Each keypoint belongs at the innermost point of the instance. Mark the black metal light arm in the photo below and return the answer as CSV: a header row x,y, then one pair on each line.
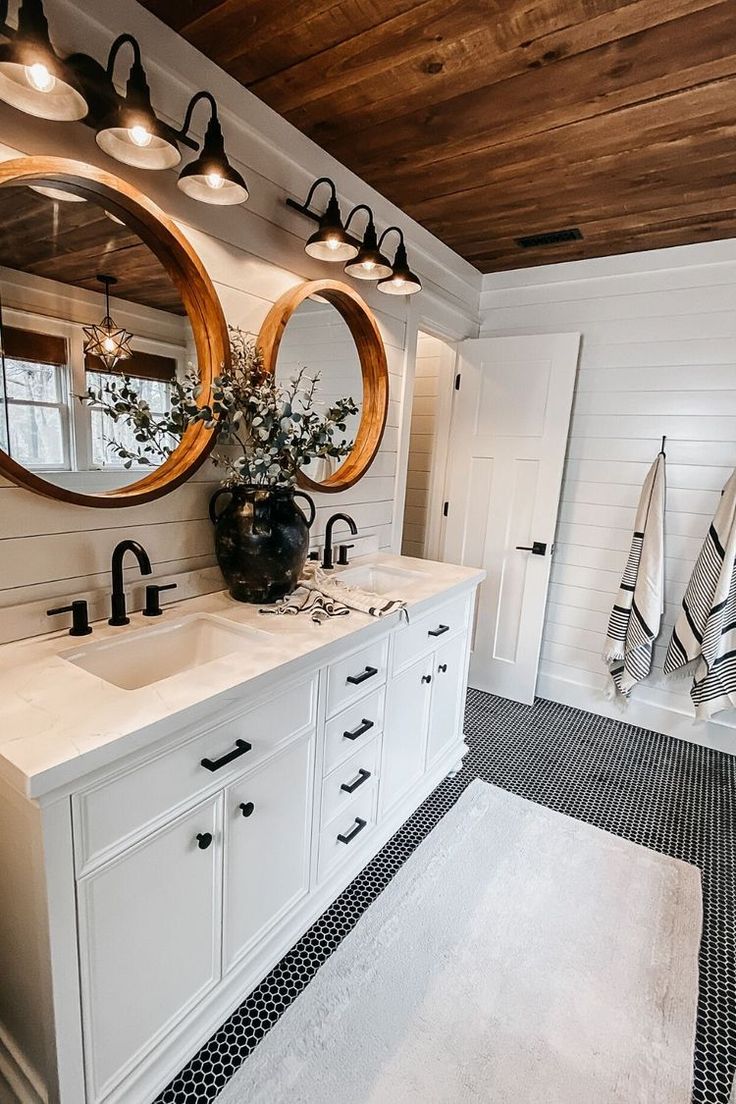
x,y
5,27
360,207
120,41
197,98
304,208
396,229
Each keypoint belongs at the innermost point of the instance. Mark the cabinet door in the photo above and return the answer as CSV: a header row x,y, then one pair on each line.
x,y
149,941
449,684
268,817
405,731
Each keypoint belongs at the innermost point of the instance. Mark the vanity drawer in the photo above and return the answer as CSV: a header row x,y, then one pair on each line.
x,y
353,728
345,833
115,812
424,634
350,678
357,773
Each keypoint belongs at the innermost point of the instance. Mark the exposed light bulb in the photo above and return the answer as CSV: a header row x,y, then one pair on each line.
x,y
140,136
398,281
369,265
40,78
333,243
215,180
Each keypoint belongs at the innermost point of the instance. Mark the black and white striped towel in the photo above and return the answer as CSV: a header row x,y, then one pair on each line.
x,y
320,607
704,636
635,618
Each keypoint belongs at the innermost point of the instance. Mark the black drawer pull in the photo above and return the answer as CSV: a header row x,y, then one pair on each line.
x,y
204,839
351,787
439,631
364,726
241,747
350,836
426,678
247,808
356,680
442,668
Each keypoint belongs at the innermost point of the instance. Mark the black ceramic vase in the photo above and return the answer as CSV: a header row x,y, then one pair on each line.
x,y
261,540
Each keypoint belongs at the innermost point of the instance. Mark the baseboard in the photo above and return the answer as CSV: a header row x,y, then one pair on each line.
x,y
19,1082
643,714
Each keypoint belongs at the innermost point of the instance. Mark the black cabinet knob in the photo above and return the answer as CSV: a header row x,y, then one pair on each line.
x,y
426,678
247,808
204,839
442,668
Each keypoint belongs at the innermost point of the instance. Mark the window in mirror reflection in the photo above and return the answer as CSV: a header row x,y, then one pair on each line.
x,y
46,372
52,255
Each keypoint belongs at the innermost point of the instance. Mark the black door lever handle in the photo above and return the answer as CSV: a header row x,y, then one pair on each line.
x,y
538,548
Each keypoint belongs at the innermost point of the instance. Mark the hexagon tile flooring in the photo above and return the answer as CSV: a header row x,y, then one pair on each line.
x,y
672,796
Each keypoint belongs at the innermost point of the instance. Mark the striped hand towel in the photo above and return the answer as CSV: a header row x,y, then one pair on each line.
x,y
356,598
704,636
635,618
320,607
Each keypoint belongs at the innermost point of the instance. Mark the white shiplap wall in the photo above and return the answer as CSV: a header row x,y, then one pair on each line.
x,y
254,253
658,357
422,445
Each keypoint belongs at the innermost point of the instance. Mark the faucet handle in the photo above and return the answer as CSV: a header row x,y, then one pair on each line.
x,y
80,617
342,554
153,605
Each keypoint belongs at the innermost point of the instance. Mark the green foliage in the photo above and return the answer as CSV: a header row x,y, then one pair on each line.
x,y
268,432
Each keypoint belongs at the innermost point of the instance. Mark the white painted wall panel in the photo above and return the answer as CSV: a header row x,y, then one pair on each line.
x,y
658,357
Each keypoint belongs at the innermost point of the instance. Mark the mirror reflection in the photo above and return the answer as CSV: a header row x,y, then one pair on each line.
x,y
83,301
318,338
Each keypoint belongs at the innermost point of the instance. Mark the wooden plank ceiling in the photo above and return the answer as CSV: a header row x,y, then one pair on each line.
x,y
74,242
490,119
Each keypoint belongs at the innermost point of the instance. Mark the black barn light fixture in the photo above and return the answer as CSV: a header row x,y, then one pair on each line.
x,y
211,178
107,341
370,264
330,242
364,258
402,280
35,79
132,132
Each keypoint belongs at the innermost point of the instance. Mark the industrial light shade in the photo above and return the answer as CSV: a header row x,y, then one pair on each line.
x,y
132,132
402,280
210,178
331,242
107,341
33,77
370,263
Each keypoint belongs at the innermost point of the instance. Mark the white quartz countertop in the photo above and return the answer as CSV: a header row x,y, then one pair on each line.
x,y
58,722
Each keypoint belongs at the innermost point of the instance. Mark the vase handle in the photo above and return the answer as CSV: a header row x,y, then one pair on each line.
x,y
220,491
312,508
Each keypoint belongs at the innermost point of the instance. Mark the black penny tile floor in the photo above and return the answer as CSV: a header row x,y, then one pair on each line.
x,y
672,796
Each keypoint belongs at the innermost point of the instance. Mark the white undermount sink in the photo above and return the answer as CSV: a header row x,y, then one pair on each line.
x,y
145,656
379,580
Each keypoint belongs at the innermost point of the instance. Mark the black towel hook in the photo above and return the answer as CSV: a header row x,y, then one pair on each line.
x,y
662,448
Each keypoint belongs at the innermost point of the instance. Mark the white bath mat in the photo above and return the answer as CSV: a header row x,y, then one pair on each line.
x,y
518,957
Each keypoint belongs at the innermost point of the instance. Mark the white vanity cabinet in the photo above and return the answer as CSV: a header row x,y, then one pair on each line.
x,y
149,939
169,878
266,832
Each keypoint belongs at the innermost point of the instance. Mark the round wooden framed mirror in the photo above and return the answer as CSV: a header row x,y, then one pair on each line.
x,y
327,328
78,245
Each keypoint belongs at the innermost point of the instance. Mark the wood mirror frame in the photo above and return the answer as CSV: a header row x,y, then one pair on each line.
x,y
373,366
198,295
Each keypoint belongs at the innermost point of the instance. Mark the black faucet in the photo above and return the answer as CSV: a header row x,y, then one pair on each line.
x,y
327,555
117,598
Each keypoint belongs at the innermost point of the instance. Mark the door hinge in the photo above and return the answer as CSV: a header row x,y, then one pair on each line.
x,y
446,509
457,382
